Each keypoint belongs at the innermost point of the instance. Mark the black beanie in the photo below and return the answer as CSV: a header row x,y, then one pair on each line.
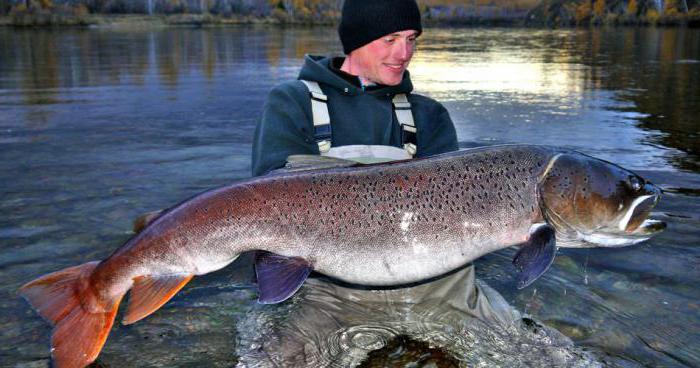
x,y
364,21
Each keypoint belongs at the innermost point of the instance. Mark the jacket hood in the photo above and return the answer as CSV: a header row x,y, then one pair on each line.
x,y
317,68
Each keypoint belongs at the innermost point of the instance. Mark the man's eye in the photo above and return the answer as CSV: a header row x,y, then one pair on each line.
x,y
389,40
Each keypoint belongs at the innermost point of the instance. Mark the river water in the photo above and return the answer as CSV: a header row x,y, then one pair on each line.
x,y
98,126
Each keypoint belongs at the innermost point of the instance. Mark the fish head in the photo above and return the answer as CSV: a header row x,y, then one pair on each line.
x,y
591,202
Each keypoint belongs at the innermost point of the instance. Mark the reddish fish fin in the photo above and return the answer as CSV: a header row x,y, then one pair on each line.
x,y
53,296
78,339
78,335
150,293
279,277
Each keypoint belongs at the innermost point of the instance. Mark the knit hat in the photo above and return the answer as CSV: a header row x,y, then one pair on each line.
x,y
364,21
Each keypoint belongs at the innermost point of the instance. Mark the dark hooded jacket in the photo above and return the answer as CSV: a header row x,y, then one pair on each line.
x,y
357,116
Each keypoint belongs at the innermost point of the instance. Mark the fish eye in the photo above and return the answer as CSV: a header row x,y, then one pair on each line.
x,y
635,183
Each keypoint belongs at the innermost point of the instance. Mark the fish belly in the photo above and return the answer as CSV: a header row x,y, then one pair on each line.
x,y
405,222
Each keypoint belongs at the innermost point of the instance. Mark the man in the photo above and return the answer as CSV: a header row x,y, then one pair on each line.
x,y
358,94
379,38
355,107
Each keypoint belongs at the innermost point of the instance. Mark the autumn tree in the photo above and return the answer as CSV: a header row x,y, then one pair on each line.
x,y
583,12
632,7
599,8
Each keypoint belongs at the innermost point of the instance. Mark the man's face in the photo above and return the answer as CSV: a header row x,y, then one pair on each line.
x,y
384,60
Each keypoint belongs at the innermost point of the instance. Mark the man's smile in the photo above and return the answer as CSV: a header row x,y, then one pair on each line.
x,y
395,67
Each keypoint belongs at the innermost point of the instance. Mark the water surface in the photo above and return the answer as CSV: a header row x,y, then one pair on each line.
x,y
99,126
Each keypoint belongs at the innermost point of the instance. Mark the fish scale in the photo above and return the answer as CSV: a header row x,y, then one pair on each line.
x,y
362,212
381,224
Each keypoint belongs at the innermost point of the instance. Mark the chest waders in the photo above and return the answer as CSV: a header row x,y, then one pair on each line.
x,y
362,153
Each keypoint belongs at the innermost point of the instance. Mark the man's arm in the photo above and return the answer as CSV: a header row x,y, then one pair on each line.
x,y
439,134
285,128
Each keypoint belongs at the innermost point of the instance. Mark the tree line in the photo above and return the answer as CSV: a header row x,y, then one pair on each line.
x,y
435,12
596,12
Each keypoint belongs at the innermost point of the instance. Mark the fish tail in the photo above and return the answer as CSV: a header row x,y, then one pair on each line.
x,y
81,323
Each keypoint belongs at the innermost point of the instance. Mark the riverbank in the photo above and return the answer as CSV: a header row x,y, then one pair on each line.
x,y
73,19
535,13
201,20
127,20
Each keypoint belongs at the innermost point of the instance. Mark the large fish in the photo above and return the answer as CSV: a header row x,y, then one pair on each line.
x,y
382,224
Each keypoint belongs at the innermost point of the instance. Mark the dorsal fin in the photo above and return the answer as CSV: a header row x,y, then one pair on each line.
x,y
313,162
146,219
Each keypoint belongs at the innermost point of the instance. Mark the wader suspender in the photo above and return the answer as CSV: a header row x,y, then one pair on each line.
x,y
408,127
322,121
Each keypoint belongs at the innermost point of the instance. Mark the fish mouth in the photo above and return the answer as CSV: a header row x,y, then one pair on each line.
x,y
635,219
635,226
649,227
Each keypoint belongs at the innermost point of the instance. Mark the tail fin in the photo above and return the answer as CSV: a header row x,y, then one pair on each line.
x,y
79,334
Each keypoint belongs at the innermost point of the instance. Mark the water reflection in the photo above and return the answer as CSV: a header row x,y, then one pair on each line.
x,y
47,60
654,71
650,74
99,126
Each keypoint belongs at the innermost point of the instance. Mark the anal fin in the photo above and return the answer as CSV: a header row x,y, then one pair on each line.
x,y
150,293
535,256
279,277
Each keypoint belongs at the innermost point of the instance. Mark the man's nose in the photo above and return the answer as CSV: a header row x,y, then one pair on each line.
x,y
403,50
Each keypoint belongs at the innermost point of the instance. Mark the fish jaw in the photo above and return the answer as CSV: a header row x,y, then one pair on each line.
x,y
645,231
640,209
635,225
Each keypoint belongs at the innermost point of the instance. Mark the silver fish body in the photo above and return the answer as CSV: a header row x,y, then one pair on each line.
x,y
398,223
382,224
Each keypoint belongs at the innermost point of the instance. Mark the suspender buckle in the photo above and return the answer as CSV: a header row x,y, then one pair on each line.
x,y
324,146
410,148
402,108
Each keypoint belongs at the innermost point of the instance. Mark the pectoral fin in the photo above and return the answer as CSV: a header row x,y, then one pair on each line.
x,y
535,256
279,277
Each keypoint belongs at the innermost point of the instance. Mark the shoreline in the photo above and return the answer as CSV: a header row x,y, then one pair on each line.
x,y
141,21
